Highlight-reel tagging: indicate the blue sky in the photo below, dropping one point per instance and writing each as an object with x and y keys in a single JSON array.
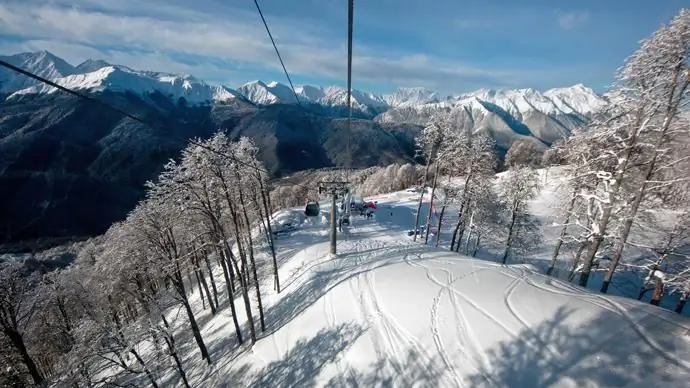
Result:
[{"x": 452, "y": 46}]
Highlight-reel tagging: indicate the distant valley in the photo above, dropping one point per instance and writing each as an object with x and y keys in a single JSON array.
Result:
[{"x": 69, "y": 167}]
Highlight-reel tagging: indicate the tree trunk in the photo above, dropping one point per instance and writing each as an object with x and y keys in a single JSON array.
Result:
[
  {"x": 266, "y": 200},
  {"x": 251, "y": 257},
  {"x": 179, "y": 286},
  {"x": 200, "y": 273},
  {"x": 17, "y": 341},
  {"x": 476, "y": 244},
  {"x": 210, "y": 275},
  {"x": 191, "y": 283},
  {"x": 224, "y": 257},
  {"x": 421, "y": 199},
  {"x": 621, "y": 170},
  {"x": 681, "y": 303},
  {"x": 455, "y": 230},
  {"x": 231, "y": 297},
  {"x": 431, "y": 204},
  {"x": 440, "y": 221},
  {"x": 243, "y": 279},
  {"x": 146, "y": 369},
  {"x": 620, "y": 243},
  {"x": 201, "y": 290},
  {"x": 461, "y": 230},
  {"x": 170, "y": 342},
  {"x": 257, "y": 285},
  {"x": 571, "y": 276},
  {"x": 467, "y": 242},
  {"x": 658, "y": 292},
  {"x": 511, "y": 231},
  {"x": 556, "y": 250},
  {"x": 464, "y": 203}
]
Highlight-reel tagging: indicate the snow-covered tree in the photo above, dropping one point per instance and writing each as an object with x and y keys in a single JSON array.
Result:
[
  {"x": 524, "y": 153},
  {"x": 484, "y": 220},
  {"x": 407, "y": 176},
  {"x": 429, "y": 141},
  {"x": 476, "y": 161},
  {"x": 652, "y": 87},
  {"x": 18, "y": 305},
  {"x": 519, "y": 187}
]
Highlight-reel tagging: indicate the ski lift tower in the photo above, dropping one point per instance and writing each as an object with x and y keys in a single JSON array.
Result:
[{"x": 337, "y": 189}]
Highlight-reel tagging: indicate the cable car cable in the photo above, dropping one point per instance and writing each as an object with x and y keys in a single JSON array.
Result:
[
  {"x": 268, "y": 30},
  {"x": 124, "y": 113}
]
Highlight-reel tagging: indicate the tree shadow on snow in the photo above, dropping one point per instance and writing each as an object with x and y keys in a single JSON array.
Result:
[
  {"x": 605, "y": 351},
  {"x": 300, "y": 367},
  {"x": 307, "y": 358},
  {"x": 414, "y": 369}
]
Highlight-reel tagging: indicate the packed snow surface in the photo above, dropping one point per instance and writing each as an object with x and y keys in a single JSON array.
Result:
[{"x": 388, "y": 311}]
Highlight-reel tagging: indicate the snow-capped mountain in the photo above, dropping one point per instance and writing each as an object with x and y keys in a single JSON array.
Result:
[
  {"x": 90, "y": 65},
  {"x": 261, "y": 93},
  {"x": 266, "y": 94},
  {"x": 547, "y": 116},
  {"x": 412, "y": 96},
  {"x": 98, "y": 76},
  {"x": 41, "y": 63},
  {"x": 576, "y": 99}
]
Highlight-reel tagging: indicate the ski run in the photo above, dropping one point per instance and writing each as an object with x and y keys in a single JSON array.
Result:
[{"x": 391, "y": 312}]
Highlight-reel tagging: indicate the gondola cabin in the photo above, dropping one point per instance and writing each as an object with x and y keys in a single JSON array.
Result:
[{"x": 312, "y": 209}]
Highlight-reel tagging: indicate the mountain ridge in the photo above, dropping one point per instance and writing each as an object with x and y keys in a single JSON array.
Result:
[
  {"x": 577, "y": 99},
  {"x": 69, "y": 167}
]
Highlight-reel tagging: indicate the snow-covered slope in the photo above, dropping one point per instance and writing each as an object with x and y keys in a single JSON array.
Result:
[
  {"x": 388, "y": 312},
  {"x": 123, "y": 79}
]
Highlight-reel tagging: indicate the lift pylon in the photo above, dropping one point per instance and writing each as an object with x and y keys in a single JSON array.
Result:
[{"x": 336, "y": 189}]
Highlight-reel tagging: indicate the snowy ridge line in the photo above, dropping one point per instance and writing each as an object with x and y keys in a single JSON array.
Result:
[{"x": 98, "y": 75}]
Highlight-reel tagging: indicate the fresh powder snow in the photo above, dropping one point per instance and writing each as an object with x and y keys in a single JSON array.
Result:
[{"x": 387, "y": 311}]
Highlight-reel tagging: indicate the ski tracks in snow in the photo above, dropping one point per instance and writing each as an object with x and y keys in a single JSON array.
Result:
[
  {"x": 390, "y": 340},
  {"x": 470, "y": 349},
  {"x": 332, "y": 319}
]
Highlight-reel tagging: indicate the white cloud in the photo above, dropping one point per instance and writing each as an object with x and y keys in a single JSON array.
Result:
[
  {"x": 160, "y": 36},
  {"x": 570, "y": 20}
]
